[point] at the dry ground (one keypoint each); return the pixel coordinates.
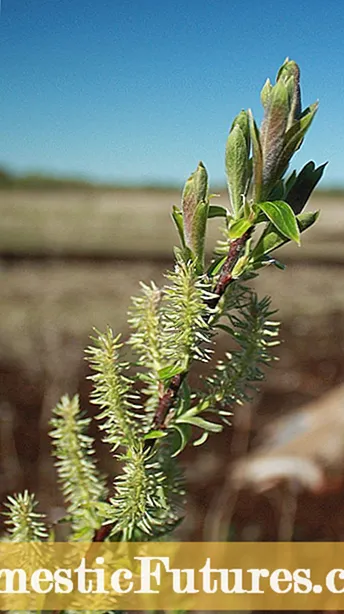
(129, 223)
(49, 303)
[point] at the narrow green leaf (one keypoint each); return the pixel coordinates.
(278, 264)
(238, 228)
(185, 395)
(170, 371)
(240, 267)
(155, 435)
(199, 227)
(303, 186)
(283, 218)
(212, 427)
(184, 433)
(215, 266)
(236, 167)
(294, 137)
(257, 163)
(296, 133)
(306, 220)
(177, 217)
(225, 328)
(202, 439)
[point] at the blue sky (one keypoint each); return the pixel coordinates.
(141, 90)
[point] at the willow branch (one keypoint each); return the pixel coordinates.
(168, 398)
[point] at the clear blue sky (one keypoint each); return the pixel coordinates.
(140, 90)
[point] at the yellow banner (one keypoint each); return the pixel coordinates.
(172, 576)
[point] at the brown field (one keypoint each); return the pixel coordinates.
(70, 260)
(127, 224)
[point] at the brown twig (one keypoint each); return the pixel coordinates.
(167, 400)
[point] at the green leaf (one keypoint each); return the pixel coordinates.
(202, 439)
(226, 328)
(240, 266)
(271, 239)
(155, 435)
(289, 73)
(184, 433)
(170, 371)
(236, 167)
(195, 191)
(211, 427)
(294, 137)
(199, 226)
(217, 211)
(238, 228)
(283, 218)
(296, 133)
(265, 93)
(185, 396)
(303, 186)
(257, 163)
(278, 264)
(215, 266)
(241, 120)
(177, 217)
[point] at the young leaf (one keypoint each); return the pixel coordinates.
(241, 120)
(294, 137)
(195, 191)
(283, 218)
(202, 439)
(199, 226)
(236, 167)
(257, 157)
(303, 186)
(265, 93)
(177, 217)
(240, 267)
(238, 228)
(155, 435)
(289, 73)
(170, 371)
(212, 427)
(273, 130)
(215, 266)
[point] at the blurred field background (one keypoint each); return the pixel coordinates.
(72, 254)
